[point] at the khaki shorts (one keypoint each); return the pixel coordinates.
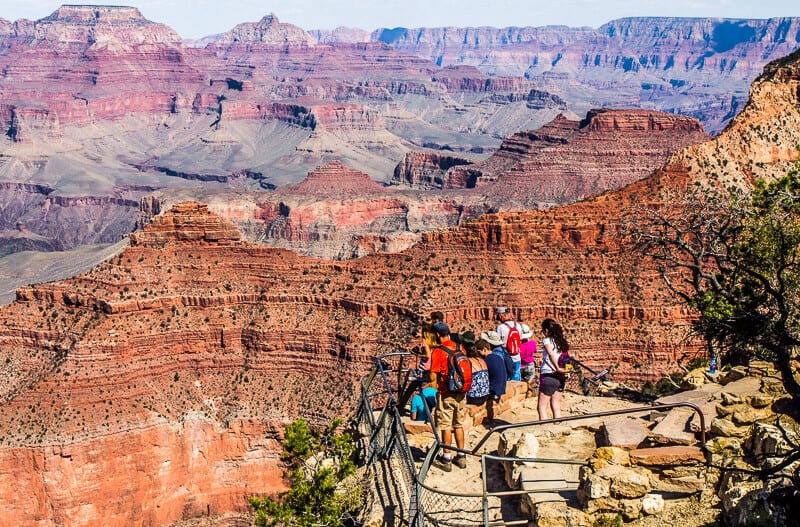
(451, 411)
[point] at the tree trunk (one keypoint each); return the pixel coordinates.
(784, 365)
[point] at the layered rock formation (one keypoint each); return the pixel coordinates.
(563, 161)
(97, 97)
(166, 374)
(642, 62)
(335, 213)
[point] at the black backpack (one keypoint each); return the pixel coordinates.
(459, 370)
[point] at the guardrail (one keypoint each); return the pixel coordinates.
(384, 394)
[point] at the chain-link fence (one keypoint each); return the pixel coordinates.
(378, 418)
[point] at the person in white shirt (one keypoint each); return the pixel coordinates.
(503, 329)
(552, 377)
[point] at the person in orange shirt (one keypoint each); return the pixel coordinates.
(451, 408)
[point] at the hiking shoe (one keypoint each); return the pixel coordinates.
(443, 464)
(460, 461)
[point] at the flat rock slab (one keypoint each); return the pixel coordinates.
(745, 386)
(667, 456)
(706, 399)
(697, 397)
(624, 433)
(543, 479)
(674, 428)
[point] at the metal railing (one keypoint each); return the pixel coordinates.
(385, 392)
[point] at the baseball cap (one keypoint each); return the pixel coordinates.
(440, 328)
(468, 337)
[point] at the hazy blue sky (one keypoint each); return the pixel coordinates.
(196, 18)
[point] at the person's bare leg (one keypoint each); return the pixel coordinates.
(544, 402)
(460, 437)
(555, 404)
(447, 436)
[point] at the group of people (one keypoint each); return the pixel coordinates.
(495, 357)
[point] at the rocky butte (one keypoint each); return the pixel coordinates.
(101, 107)
(337, 212)
(565, 160)
(165, 374)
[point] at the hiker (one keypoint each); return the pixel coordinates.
(552, 377)
(479, 391)
(510, 333)
(499, 365)
(497, 361)
(418, 405)
(450, 407)
(527, 355)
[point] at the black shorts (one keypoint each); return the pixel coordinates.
(550, 384)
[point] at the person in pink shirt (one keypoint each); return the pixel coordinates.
(527, 353)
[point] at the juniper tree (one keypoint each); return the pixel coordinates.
(735, 259)
(316, 464)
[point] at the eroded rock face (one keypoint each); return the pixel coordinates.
(166, 375)
(648, 61)
(103, 106)
(335, 213)
(565, 160)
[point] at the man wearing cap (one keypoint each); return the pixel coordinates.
(506, 323)
(497, 362)
(451, 408)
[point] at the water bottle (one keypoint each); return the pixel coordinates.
(713, 366)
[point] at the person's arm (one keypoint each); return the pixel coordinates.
(434, 367)
(415, 407)
(551, 353)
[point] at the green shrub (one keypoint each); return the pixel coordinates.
(316, 464)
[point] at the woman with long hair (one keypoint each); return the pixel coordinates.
(479, 390)
(552, 377)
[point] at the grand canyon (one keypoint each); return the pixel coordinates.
(286, 205)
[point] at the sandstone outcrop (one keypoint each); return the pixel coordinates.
(335, 213)
(427, 169)
(204, 402)
(269, 31)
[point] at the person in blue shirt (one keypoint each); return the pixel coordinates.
(497, 361)
(417, 406)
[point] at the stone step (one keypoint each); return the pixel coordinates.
(543, 480)
(670, 455)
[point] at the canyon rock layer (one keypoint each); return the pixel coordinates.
(337, 212)
(164, 374)
(694, 66)
(101, 107)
